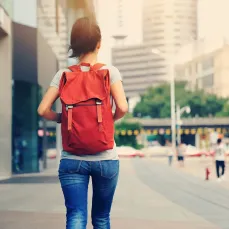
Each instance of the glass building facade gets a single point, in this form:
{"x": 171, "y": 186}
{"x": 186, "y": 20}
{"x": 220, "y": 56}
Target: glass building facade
{"x": 25, "y": 144}
{"x": 25, "y": 98}
{"x": 28, "y": 62}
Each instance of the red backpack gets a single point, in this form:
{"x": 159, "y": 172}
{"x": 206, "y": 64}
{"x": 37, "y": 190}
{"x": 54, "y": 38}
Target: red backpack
{"x": 87, "y": 125}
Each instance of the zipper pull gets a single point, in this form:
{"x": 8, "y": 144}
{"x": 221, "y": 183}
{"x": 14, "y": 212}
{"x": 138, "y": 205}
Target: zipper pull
{"x": 69, "y": 107}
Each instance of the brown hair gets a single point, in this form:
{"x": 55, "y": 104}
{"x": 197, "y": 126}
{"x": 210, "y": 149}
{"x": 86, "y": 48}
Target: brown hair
{"x": 85, "y": 36}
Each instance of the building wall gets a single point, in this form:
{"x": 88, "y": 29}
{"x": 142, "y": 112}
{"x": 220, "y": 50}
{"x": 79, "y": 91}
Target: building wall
{"x": 139, "y": 68}
{"x": 25, "y": 69}
{"x": 221, "y": 68}
{"x": 24, "y": 56}
{"x": 5, "y": 95}
{"x": 207, "y": 70}
{"x": 47, "y": 63}
{"x": 26, "y": 88}
{"x": 25, "y": 98}
{"x": 167, "y": 25}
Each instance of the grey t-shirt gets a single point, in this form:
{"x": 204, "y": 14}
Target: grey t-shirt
{"x": 106, "y": 155}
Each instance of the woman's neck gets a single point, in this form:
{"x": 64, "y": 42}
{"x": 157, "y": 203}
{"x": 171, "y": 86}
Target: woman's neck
{"x": 90, "y": 58}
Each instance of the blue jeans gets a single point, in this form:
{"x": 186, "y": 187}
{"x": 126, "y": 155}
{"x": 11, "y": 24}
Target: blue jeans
{"x": 74, "y": 177}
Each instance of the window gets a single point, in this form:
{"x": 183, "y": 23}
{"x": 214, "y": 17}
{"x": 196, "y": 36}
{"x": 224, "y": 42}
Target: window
{"x": 196, "y": 67}
{"x": 169, "y": 16}
{"x": 190, "y": 70}
{"x": 26, "y": 97}
{"x": 208, "y": 81}
{"x": 199, "y": 83}
{"x": 180, "y": 74}
{"x": 157, "y": 23}
{"x": 208, "y": 63}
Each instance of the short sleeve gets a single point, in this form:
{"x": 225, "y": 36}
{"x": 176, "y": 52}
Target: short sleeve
{"x": 56, "y": 79}
{"x": 114, "y": 74}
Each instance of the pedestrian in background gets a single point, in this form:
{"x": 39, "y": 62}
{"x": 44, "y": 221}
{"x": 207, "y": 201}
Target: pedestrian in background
{"x": 181, "y": 149}
{"x": 169, "y": 151}
{"x": 89, "y": 85}
{"x": 220, "y": 156}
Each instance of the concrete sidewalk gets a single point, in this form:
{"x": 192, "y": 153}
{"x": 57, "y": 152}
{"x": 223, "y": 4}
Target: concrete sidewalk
{"x": 18, "y": 220}
{"x": 36, "y": 201}
{"x": 197, "y": 167}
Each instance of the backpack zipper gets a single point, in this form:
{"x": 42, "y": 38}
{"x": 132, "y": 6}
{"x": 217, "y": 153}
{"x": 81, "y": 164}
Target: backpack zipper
{"x": 76, "y": 105}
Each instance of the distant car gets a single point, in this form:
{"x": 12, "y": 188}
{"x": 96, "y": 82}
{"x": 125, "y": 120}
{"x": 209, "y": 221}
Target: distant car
{"x": 209, "y": 153}
{"x": 51, "y": 153}
{"x": 154, "y": 143}
{"x": 123, "y": 151}
{"x": 140, "y": 153}
{"x": 126, "y": 151}
{"x": 155, "y": 151}
{"x": 192, "y": 151}
{"x": 227, "y": 153}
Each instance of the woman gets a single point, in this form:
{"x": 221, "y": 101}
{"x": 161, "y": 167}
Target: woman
{"x": 103, "y": 167}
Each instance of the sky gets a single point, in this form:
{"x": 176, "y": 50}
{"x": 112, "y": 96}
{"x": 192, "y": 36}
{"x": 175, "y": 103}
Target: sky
{"x": 213, "y": 28}
{"x": 29, "y": 18}
{"x": 213, "y": 19}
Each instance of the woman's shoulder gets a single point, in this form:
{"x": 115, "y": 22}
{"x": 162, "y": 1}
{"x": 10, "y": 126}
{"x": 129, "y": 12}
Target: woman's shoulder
{"x": 56, "y": 79}
{"x": 115, "y": 74}
{"x": 60, "y": 72}
{"x": 110, "y": 67}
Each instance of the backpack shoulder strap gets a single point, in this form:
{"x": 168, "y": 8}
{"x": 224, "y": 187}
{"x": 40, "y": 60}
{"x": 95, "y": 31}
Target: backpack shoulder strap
{"x": 97, "y": 66}
{"x": 74, "y": 68}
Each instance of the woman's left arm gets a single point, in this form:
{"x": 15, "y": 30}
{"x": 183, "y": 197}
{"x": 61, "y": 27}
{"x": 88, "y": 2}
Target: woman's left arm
{"x": 45, "y": 107}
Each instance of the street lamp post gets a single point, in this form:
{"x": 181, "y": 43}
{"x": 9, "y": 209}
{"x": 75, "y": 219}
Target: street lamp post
{"x": 172, "y": 94}
{"x": 179, "y": 112}
{"x": 173, "y": 104}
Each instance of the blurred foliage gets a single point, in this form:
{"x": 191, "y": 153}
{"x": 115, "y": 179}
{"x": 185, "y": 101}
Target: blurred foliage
{"x": 156, "y": 102}
{"x": 128, "y": 116}
{"x": 127, "y": 140}
{"x": 225, "y": 111}
{"x": 160, "y": 138}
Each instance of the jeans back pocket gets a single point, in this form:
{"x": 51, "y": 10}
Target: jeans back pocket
{"x": 69, "y": 166}
{"x": 109, "y": 168}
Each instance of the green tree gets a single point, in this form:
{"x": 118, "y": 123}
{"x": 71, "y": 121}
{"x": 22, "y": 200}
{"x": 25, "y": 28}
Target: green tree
{"x": 224, "y": 112}
{"x": 127, "y": 139}
{"x": 156, "y": 102}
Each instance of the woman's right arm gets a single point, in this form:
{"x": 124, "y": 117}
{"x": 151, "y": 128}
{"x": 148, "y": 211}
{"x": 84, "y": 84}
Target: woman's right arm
{"x": 45, "y": 107}
{"x": 118, "y": 94}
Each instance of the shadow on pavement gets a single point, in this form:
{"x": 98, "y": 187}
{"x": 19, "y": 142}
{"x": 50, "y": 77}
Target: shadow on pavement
{"x": 31, "y": 180}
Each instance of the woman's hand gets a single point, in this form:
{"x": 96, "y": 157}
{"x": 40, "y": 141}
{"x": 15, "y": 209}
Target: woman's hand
{"x": 45, "y": 107}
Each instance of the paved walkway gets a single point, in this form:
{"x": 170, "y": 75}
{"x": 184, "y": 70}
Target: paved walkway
{"x": 145, "y": 199}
